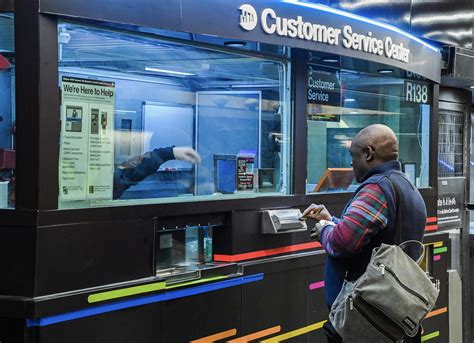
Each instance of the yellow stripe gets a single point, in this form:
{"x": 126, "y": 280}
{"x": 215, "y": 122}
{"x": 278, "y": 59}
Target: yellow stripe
{"x": 437, "y": 244}
{"x": 256, "y": 335}
{"x": 216, "y": 337}
{"x": 295, "y": 333}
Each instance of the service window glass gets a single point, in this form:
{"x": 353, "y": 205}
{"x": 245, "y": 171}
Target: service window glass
{"x": 137, "y": 107}
{"x": 7, "y": 111}
{"x": 342, "y": 101}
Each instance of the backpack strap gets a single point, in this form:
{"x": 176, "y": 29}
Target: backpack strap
{"x": 397, "y": 237}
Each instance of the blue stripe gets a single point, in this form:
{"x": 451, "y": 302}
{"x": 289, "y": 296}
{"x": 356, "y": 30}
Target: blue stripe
{"x": 92, "y": 311}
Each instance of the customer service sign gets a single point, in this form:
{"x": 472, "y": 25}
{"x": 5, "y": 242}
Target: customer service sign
{"x": 313, "y": 27}
{"x": 273, "y": 24}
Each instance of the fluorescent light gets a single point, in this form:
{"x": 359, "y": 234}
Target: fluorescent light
{"x": 125, "y": 111}
{"x": 330, "y": 60}
{"x": 385, "y": 71}
{"x": 472, "y": 87}
{"x": 350, "y": 100}
{"x": 353, "y": 112}
{"x": 255, "y": 86}
{"x": 235, "y": 43}
{"x": 166, "y": 71}
{"x": 363, "y": 19}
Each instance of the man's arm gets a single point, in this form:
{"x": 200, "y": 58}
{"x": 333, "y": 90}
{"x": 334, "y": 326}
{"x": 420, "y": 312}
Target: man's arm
{"x": 365, "y": 217}
{"x": 125, "y": 178}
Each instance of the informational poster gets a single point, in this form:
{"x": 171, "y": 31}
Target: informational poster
{"x": 245, "y": 172}
{"x": 450, "y": 203}
{"x": 324, "y": 94}
{"x": 86, "y": 162}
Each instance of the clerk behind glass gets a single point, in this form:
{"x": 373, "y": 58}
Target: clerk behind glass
{"x": 138, "y": 168}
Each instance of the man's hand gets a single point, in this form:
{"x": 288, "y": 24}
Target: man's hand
{"x": 317, "y": 212}
{"x": 186, "y": 154}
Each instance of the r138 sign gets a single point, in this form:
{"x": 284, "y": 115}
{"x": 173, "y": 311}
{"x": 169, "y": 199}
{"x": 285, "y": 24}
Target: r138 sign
{"x": 418, "y": 92}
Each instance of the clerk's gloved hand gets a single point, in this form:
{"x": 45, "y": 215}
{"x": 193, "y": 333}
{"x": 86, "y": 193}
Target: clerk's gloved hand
{"x": 186, "y": 154}
{"x": 317, "y": 212}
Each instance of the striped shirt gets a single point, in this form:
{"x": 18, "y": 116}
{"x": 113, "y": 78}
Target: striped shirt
{"x": 365, "y": 216}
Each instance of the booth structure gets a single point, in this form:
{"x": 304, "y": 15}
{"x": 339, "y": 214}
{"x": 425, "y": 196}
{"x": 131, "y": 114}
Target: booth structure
{"x": 108, "y": 234}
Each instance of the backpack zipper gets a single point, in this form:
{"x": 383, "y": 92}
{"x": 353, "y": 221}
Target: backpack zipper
{"x": 353, "y": 304}
{"x": 385, "y": 268}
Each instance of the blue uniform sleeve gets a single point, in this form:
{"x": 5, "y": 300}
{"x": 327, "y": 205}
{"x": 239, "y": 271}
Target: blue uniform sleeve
{"x": 125, "y": 178}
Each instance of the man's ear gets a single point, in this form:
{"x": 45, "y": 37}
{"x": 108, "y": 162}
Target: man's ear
{"x": 369, "y": 153}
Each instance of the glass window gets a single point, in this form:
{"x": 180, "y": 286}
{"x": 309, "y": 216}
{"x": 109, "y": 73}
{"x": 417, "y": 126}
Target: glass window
{"x": 7, "y": 112}
{"x": 134, "y": 104}
{"x": 341, "y": 102}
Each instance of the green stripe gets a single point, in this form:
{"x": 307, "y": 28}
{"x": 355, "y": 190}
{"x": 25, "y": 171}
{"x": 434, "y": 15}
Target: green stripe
{"x": 158, "y": 286}
{"x": 125, "y": 292}
{"x": 440, "y": 250}
{"x": 196, "y": 282}
{"x": 430, "y": 336}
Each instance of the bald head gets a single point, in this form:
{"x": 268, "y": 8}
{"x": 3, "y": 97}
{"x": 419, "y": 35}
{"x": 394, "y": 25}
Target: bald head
{"x": 371, "y": 146}
{"x": 381, "y": 138}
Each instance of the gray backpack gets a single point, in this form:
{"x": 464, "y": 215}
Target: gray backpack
{"x": 389, "y": 301}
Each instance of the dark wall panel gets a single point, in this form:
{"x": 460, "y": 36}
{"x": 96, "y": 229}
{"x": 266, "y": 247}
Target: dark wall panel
{"x": 449, "y": 22}
{"x": 89, "y": 254}
{"x": 139, "y": 324}
{"x": 17, "y": 261}
{"x": 396, "y": 12}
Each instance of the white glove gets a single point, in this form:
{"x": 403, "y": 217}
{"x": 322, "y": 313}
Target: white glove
{"x": 186, "y": 154}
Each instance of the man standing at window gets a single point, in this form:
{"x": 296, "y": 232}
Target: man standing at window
{"x": 369, "y": 218}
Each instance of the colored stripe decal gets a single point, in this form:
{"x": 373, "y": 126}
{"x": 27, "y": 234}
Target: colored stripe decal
{"x": 431, "y": 219}
{"x": 440, "y": 250}
{"x": 125, "y": 292}
{"x": 437, "y": 312}
{"x": 437, "y": 258}
{"x": 216, "y": 337}
{"x": 438, "y": 244}
{"x": 263, "y": 253}
{"x": 316, "y": 285}
{"x": 197, "y": 282}
{"x": 256, "y": 335}
{"x": 431, "y": 227}
{"x": 119, "y": 305}
{"x": 295, "y": 333}
{"x": 430, "y": 336}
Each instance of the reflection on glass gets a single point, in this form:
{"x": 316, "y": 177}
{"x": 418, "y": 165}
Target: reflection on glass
{"x": 7, "y": 112}
{"x": 342, "y": 102}
{"x": 163, "y": 94}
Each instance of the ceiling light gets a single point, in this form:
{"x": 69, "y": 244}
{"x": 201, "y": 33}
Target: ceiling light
{"x": 350, "y": 100}
{"x": 385, "y": 71}
{"x": 354, "y": 112}
{"x": 235, "y": 44}
{"x": 330, "y": 60}
{"x": 472, "y": 87}
{"x": 166, "y": 71}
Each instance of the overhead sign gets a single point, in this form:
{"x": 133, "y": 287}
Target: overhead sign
{"x": 292, "y": 23}
{"x": 345, "y": 36}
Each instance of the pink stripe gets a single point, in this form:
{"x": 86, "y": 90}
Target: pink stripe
{"x": 436, "y": 257}
{"x": 316, "y": 285}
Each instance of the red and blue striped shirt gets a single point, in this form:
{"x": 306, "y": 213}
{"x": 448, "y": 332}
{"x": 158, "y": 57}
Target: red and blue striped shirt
{"x": 365, "y": 216}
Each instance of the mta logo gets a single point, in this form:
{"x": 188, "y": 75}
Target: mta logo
{"x": 248, "y": 17}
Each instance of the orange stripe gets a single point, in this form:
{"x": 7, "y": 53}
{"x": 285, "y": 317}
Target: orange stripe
{"x": 431, "y": 219}
{"x": 256, "y": 335}
{"x": 437, "y": 312}
{"x": 216, "y": 337}
{"x": 263, "y": 253}
{"x": 431, "y": 228}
